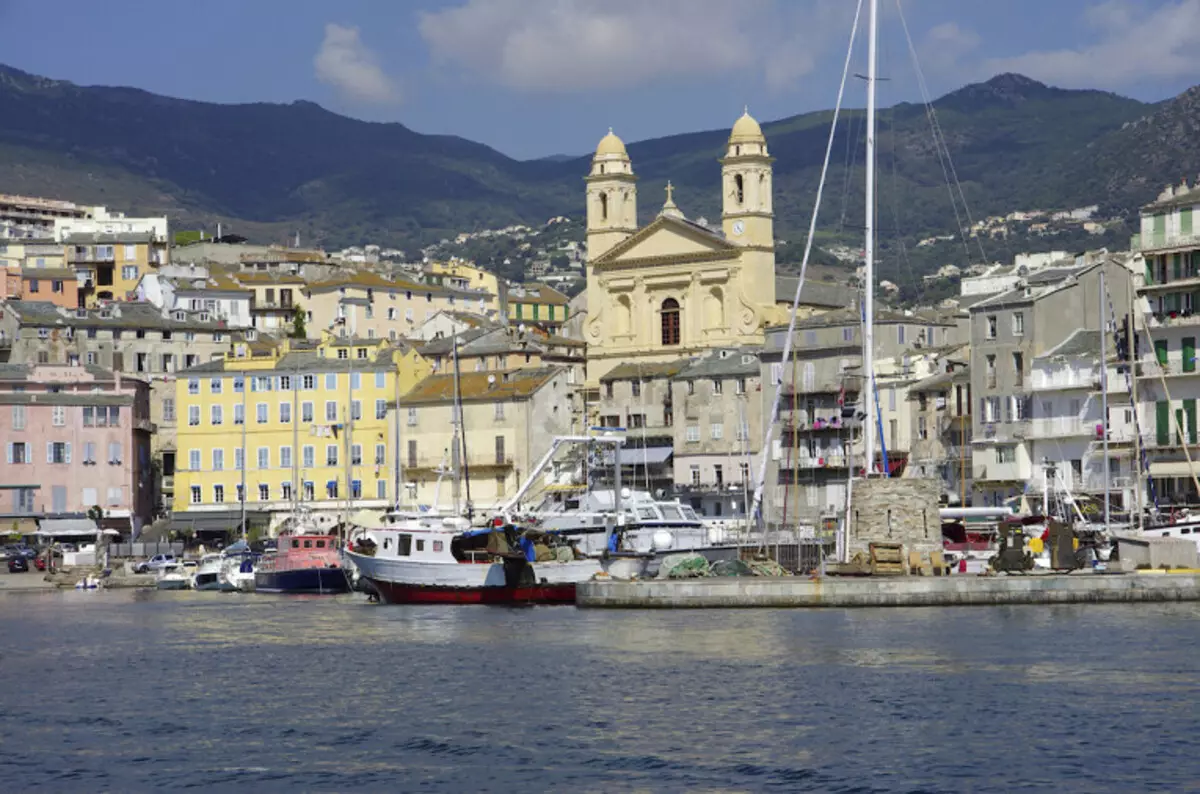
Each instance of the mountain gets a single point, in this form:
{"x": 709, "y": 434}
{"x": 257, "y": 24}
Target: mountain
{"x": 273, "y": 169}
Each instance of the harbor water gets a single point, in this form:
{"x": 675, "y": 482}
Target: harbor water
{"x": 130, "y": 691}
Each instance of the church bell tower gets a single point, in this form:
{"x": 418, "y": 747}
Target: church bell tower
{"x": 747, "y": 215}
{"x": 611, "y": 197}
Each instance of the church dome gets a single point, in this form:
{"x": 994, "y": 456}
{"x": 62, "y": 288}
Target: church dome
{"x": 611, "y": 144}
{"x": 746, "y": 130}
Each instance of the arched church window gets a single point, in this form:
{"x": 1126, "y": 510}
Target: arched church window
{"x": 737, "y": 150}
{"x": 739, "y": 188}
{"x": 603, "y": 206}
{"x": 602, "y": 168}
{"x": 670, "y": 322}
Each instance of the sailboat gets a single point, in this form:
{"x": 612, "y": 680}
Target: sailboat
{"x": 867, "y": 392}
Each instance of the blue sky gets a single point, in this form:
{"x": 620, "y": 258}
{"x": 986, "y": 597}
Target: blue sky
{"x": 540, "y": 77}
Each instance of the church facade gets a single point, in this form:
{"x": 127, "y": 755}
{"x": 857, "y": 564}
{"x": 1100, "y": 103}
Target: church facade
{"x": 674, "y": 288}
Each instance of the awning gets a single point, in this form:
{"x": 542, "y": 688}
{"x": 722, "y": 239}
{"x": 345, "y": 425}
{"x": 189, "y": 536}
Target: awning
{"x": 636, "y": 457}
{"x": 55, "y": 527}
{"x": 1174, "y": 468}
{"x": 216, "y": 520}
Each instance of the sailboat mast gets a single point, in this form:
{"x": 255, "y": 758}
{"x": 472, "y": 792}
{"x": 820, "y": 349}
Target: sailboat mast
{"x": 868, "y": 355}
{"x": 462, "y": 437}
{"x": 456, "y": 422}
{"x": 1104, "y": 392}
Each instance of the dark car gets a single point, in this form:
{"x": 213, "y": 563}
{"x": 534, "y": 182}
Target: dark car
{"x": 18, "y": 564}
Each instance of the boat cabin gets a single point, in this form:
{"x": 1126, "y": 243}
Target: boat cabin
{"x": 303, "y": 551}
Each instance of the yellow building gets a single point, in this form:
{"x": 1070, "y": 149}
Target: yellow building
{"x": 509, "y": 420}
{"x": 536, "y": 304}
{"x": 370, "y": 305}
{"x": 110, "y": 265}
{"x": 465, "y": 276}
{"x": 312, "y": 419}
{"x": 674, "y": 287}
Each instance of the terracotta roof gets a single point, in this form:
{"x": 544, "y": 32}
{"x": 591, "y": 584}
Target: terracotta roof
{"x": 538, "y": 293}
{"x": 268, "y": 278}
{"x": 645, "y": 371}
{"x": 510, "y": 385}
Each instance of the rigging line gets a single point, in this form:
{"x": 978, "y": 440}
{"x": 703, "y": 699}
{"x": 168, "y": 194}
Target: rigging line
{"x": 920, "y": 285}
{"x": 855, "y": 132}
{"x": 773, "y": 416}
{"x": 942, "y": 148}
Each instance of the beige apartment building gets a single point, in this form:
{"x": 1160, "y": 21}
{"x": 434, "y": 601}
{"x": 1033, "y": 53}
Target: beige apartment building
{"x": 509, "y": 420}
{"x": 372, "y": 306}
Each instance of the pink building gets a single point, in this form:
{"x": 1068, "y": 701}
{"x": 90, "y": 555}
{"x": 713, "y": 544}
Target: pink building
{"x": 75, "y": 437}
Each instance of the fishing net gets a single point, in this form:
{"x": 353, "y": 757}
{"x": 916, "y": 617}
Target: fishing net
{"x": 683, "y": 566}
{"x": 731, "y": 568}
{"x": 767, "y": 568}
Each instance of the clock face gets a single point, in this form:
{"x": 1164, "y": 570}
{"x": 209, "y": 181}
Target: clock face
{"x": 739, "y": 227}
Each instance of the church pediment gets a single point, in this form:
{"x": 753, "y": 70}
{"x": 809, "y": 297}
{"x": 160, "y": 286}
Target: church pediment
{"x": 667, "y": 239}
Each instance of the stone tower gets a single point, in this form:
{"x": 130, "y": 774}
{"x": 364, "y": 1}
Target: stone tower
{"x": 611, "y": 197}
{"x": 747, "y": 212}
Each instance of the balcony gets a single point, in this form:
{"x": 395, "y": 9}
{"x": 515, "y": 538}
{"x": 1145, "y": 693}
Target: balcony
{"x": 1184, "y": 319}
{"x": 88, "y": 257}
{"x": 476, "y": 463}
{"x": 1172, "y": 369}
{"x": 1003, "y": 433}
{"x": 1064, "y": 427}
{"x": 1062, "y": 381}
{"x": 1162, "y": 242}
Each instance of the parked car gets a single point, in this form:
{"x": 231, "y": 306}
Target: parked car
{"x": 39, "y": 563}
{"x": 18, "y": 550}
{"x": 154, "y": 564}
{"x": 18, "y": 564}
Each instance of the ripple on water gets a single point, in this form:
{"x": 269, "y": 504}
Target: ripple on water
{"x": 137, "y": 691}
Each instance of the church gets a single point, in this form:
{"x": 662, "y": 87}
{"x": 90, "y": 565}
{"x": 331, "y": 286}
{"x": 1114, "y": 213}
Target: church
{"x": 674, "y": 288}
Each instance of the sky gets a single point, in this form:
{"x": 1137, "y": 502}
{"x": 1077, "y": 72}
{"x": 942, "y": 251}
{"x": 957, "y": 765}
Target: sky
{"x": 534, "y": 78}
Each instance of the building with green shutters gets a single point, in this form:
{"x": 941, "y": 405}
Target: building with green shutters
{"x": 1168, "y": 380}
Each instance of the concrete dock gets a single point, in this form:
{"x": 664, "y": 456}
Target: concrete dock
{"x": 907, "y": 591}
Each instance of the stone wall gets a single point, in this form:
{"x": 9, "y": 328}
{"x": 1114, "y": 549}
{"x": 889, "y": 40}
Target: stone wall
{"x": 901, "y": 511}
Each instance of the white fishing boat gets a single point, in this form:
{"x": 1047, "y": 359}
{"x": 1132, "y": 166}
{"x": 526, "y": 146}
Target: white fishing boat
{"x": 174, "y": 576}
{"x": 447, "y": 562}
{"x": 208, "y": 573}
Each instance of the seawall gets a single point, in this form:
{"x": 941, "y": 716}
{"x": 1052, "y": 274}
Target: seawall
{"x": 735, "y": 592}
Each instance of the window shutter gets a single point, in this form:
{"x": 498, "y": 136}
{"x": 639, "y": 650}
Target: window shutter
{"x": 8, "y": 448}
{"x": 49, "y": 451}
{"x": 68, "y": 458}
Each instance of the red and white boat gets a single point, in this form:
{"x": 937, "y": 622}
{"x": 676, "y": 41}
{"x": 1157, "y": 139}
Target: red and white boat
{"x": 444, "y": 561}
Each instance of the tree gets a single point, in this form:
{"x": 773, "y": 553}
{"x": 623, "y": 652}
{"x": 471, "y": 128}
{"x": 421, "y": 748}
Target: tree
{"x": 298, "y": 329}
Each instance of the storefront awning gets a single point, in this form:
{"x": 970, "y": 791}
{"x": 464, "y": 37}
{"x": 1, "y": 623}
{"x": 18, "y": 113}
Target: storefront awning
{"x": 216, "y": 520}
{"x": 1174, "y": 468}
{"x": 58, "y": 527}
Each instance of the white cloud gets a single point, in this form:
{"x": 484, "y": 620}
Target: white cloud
{"x": 573, "y": 45}
{"x": 1133, "y": 45}
{"x": 345, "y": 63}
